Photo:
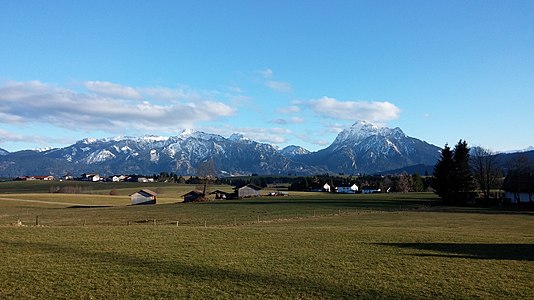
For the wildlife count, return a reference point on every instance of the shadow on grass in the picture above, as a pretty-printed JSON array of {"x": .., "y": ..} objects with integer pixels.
[
  {"x": 375, "y": 204},
  {"x": 205, "y": 274},
  {"x": 471, "y": 251}
]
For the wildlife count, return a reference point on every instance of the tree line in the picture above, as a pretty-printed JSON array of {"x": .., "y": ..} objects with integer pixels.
[{"x": 463, "y": 175}]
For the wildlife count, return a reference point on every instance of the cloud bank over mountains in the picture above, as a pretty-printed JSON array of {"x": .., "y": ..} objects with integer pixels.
[{"x": 112, "y": 108}]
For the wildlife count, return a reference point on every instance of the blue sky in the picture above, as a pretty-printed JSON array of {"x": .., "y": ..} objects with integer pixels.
[{"x": 281, "y": 72}]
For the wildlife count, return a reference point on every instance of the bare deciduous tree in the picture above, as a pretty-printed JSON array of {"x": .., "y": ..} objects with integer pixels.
[
  {"x": 207, "y": 173},
  {"x": 404, "y": 183},
  {"x": 485, "y": 165}
]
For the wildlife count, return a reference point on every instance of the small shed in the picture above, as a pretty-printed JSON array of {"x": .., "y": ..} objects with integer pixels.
[
  {"x": 194, "y": 196},
  {"x": 144, "y": 196},
  {"x": 249, "y": 190}
]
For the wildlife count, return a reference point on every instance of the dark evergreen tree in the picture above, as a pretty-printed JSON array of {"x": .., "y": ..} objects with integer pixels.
[
  {"x": 453, "y": 179},
  {"x": 443, "y": 170},
  {"x": 462, "y": 178}
]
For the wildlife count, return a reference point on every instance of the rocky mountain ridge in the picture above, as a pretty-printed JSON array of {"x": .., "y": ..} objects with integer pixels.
[{"x": 362, "y": 148}]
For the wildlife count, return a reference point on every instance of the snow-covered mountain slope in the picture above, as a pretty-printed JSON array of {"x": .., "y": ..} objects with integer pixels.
[
  {"x": 292, "y": 150},
  {"x": 370, "y": 148},
  {"x": 3, "y": 152},
  {"x": 152, "y": 154},
  {"x": 362, "y": 148}
]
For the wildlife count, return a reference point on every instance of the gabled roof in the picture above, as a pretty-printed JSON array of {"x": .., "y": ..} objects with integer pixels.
[
  {"x": 194, "y": 192},
  {"x": 146, "y": 192},
  {"x": 219, "y": 192},
  {"x": 252, "y": 186}
]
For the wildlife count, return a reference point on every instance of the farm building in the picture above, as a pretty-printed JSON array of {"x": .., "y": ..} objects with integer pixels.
[
  {"x": 221, "y": 194},
  {"x": 352, "y": 189},
  {"x": 327, "y": 188},
  {"x": 144, "y": 196},
  {"x": 370, "y": 190},
  {"x": 30, "y": 178},
  {"x": 519, "y": 188},
  {"x": 249, "y": 190},
  {"x": 91, "y": 177},
  {"x": 194, "y": 196}
]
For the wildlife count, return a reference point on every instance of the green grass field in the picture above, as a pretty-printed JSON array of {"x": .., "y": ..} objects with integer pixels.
[{"x": 305, "y": 246}]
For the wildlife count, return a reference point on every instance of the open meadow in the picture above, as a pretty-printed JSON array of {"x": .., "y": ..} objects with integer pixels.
[{"x": 305, "y": 246}]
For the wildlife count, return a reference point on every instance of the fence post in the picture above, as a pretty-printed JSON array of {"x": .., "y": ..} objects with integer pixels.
[
  {"x": 177, "y": 223},
  {"x": 36, "y": 220},
  {"x": 205, "y": 224}
]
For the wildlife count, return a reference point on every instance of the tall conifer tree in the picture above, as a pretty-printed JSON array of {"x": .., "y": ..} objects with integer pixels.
[
  {"x": 453, "y": 179},
  {"x": 442, "y": 183}
]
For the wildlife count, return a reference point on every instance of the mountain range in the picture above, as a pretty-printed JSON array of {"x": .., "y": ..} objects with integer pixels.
[{"x": 362, "y": 148}]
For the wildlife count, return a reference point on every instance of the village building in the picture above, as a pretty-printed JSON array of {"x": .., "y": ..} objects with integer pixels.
[
  {"x": 249, "y": 190},
  {"x": 91, "y": 177},
  {"x": 371, "y": 190},
  {"x": 351, "y": 189},
  {"x": 144, "y": 196},
  {"x": 221, "y": 194},
  {"x": 30, "y": 178},
  {"x": 194, "y": 196}
]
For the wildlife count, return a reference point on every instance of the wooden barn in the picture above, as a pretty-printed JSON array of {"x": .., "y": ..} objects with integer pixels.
[
  {"x": 221, "y": 194},
  {"x": 194, "y": 196},
  {"x": 144, "y": 196},
  {"x": 249, "y": 190}
]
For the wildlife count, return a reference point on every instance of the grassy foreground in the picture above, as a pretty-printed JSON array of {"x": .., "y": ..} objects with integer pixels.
[{"x": 383, "y": 246}]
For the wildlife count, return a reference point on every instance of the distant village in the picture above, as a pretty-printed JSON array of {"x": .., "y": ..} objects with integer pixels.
[
  {"x": 251, "y": 186},
  {"x": 93, "y": 177}
]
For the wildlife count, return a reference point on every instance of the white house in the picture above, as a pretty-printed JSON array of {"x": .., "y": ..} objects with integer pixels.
[
  {"x": 91, "y": 177},
  {"x": 327, "y": 188},
  {"x": 119, "y": 178},
  {"x": 370, "y": 190},
  {"x": 353, "y": 189}
]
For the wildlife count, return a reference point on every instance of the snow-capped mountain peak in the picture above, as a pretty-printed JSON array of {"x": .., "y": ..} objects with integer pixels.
[
  {"x": 187, "y": 133},
  {"x": 364, "y": 147},
  {"x": 293, "y": 150},
  {"x": 361, "y": 130},
  {"x": 237, "y": 137}
]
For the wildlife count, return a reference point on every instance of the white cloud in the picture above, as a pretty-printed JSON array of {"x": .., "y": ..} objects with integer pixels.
[
  {"x": 279, "y": 86},
  {"x": 293, "y": 120},
  {"x": 264, "y": 135},
  {"x": 266, "y": 73},
  {"x": 7, "y": 136},
  {"x": 355, "y": 110},
  {"x": 289, "y": 109},
  {"x": 39, "y": 103},
  {"x": 275, "y": 85},
  {"x": 279, "y": 121},
  {"x": 170, "y": 94},
  {"x": 297, "y": 120},
  {"x": 112, "y": 89}
]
